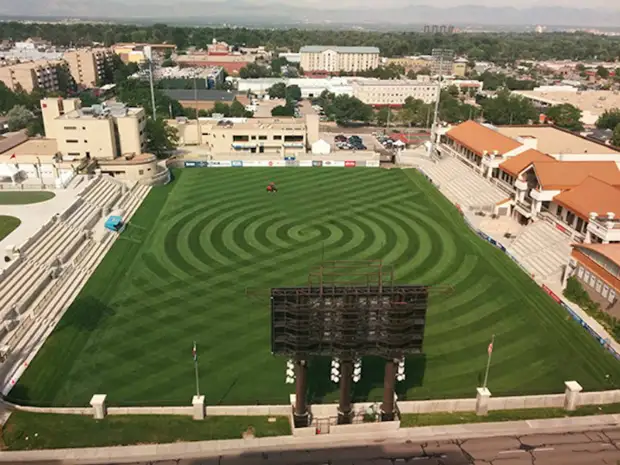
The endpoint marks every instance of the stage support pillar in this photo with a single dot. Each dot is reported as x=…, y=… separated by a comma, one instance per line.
x=300, y=412
x=345, y=410
x=389, y=382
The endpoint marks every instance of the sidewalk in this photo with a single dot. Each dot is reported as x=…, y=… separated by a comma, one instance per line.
x=203, y=449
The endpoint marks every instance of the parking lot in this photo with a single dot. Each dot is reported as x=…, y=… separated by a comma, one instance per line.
x=367, y=139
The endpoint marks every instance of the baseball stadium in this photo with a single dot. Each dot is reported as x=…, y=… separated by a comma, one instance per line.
x=196, y=263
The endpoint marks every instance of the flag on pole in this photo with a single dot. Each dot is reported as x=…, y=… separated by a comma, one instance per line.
x=13, y=156
x=490, y=349
x=194, y=353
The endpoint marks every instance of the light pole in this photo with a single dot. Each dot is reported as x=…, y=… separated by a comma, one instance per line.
x=440, y=55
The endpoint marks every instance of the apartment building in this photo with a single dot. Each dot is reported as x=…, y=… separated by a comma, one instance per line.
x=139, y=53
x=41, y=74
x=242, y=137
x=333, y=59
x=87, y=65
x=102, y=131
x=392, y=92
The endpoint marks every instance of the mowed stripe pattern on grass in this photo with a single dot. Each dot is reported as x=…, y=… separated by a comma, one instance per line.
x=213, y=244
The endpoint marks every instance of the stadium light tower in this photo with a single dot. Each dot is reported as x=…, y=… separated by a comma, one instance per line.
x=440, y=56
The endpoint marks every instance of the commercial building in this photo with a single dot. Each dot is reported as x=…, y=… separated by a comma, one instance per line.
x=230, y=63
x=241, y=137
x=412, y=63
x=592, y=103
x=100, y=131
x=138, y=52
x=331, y=59
x=87, y=65
x=40, y=74
x=393, y=93
x=310, y=88
x=202, y=99
x=459, y=67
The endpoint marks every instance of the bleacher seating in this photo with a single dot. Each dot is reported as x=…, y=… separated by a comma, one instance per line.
x=541, y=249
x=464, y=186
x=56, y=265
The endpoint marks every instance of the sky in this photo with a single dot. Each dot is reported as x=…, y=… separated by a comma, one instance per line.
x=607, y=4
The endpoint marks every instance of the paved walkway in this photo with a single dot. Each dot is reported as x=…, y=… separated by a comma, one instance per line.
x=259, y=447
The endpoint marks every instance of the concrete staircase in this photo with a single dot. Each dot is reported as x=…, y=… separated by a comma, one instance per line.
x=541, y=249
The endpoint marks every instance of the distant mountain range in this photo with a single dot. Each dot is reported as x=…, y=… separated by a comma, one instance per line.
x=247, y=11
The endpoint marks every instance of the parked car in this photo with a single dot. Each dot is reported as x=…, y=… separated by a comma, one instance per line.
x=340, y=138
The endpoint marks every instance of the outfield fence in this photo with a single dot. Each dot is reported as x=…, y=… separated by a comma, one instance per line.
x=291, y=163
x=599, y=334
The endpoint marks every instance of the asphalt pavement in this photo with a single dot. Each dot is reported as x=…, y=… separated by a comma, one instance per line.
x=585, y=448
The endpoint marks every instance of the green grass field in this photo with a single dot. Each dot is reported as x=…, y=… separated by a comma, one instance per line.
x=24, y=197
x=8, y=224
x=181, y=270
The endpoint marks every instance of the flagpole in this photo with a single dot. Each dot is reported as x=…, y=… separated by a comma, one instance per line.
x=196, y=370
x=490, y=351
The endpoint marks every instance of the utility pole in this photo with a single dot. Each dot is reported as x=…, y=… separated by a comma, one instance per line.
x=198, y=141
x=148, y=54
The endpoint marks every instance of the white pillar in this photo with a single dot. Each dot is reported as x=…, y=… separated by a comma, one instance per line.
x=99, y=408
x=482, y=401
x=198, y=407
x=571, y=395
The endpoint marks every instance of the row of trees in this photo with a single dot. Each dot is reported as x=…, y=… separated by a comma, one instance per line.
x=498, y=47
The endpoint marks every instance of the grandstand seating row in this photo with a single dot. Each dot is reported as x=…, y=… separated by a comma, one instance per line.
x=53, y=268
x=541, y=249
x=462, y=185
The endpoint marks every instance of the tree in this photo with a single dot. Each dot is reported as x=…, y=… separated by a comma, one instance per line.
x=161, y=139
x=277, y=64
x=415, y=112
x=609, y=119
x=566, y=116
x=168, y=63
x=346, y=109
x=278, y=90
x=254, y=70
x=237, y=110
x=411, y=74
x=293, y=93
x=453, y=90
x=18, y=117
x=615, y=138
x=383, y=116
x=88, y=99
x=506, y=108
x=283, y=110
x=602, y=72
x=35, y=127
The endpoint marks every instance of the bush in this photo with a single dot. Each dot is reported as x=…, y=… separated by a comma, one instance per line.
x=576, y=293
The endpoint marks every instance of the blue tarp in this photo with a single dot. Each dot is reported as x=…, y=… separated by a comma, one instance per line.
x=114, y=223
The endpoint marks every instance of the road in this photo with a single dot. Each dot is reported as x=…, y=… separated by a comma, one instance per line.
x=587, y=448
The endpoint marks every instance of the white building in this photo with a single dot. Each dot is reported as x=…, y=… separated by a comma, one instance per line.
x=310, y=88
x=394, y=92
x=333, y=59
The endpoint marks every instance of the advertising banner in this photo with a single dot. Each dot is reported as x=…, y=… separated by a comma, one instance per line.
x=333, y=163
x=291, y=163
x=306, y=163
x=349, y=164
x=252, y=163
x=317, y=163
x=273, y=163
x=552, y=294
x=375, y=164
x=218, y=163
x=236, y=164
x=289, y=158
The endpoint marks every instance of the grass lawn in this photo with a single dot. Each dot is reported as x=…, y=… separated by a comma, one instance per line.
x=25, y=430
x=457, y=418
x=8, y=224
x=199, y=257
x=24, y=197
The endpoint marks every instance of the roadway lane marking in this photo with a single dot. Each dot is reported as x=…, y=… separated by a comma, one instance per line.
x=516, y=451
x=543, y=449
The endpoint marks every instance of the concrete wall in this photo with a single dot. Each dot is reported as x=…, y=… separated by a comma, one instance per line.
x=247, y=410
x=521, y=402
x=434, y=406
x=599, y=398
x=148, y=411
x=363, y=428
x=4, y=274
x=70, y=209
